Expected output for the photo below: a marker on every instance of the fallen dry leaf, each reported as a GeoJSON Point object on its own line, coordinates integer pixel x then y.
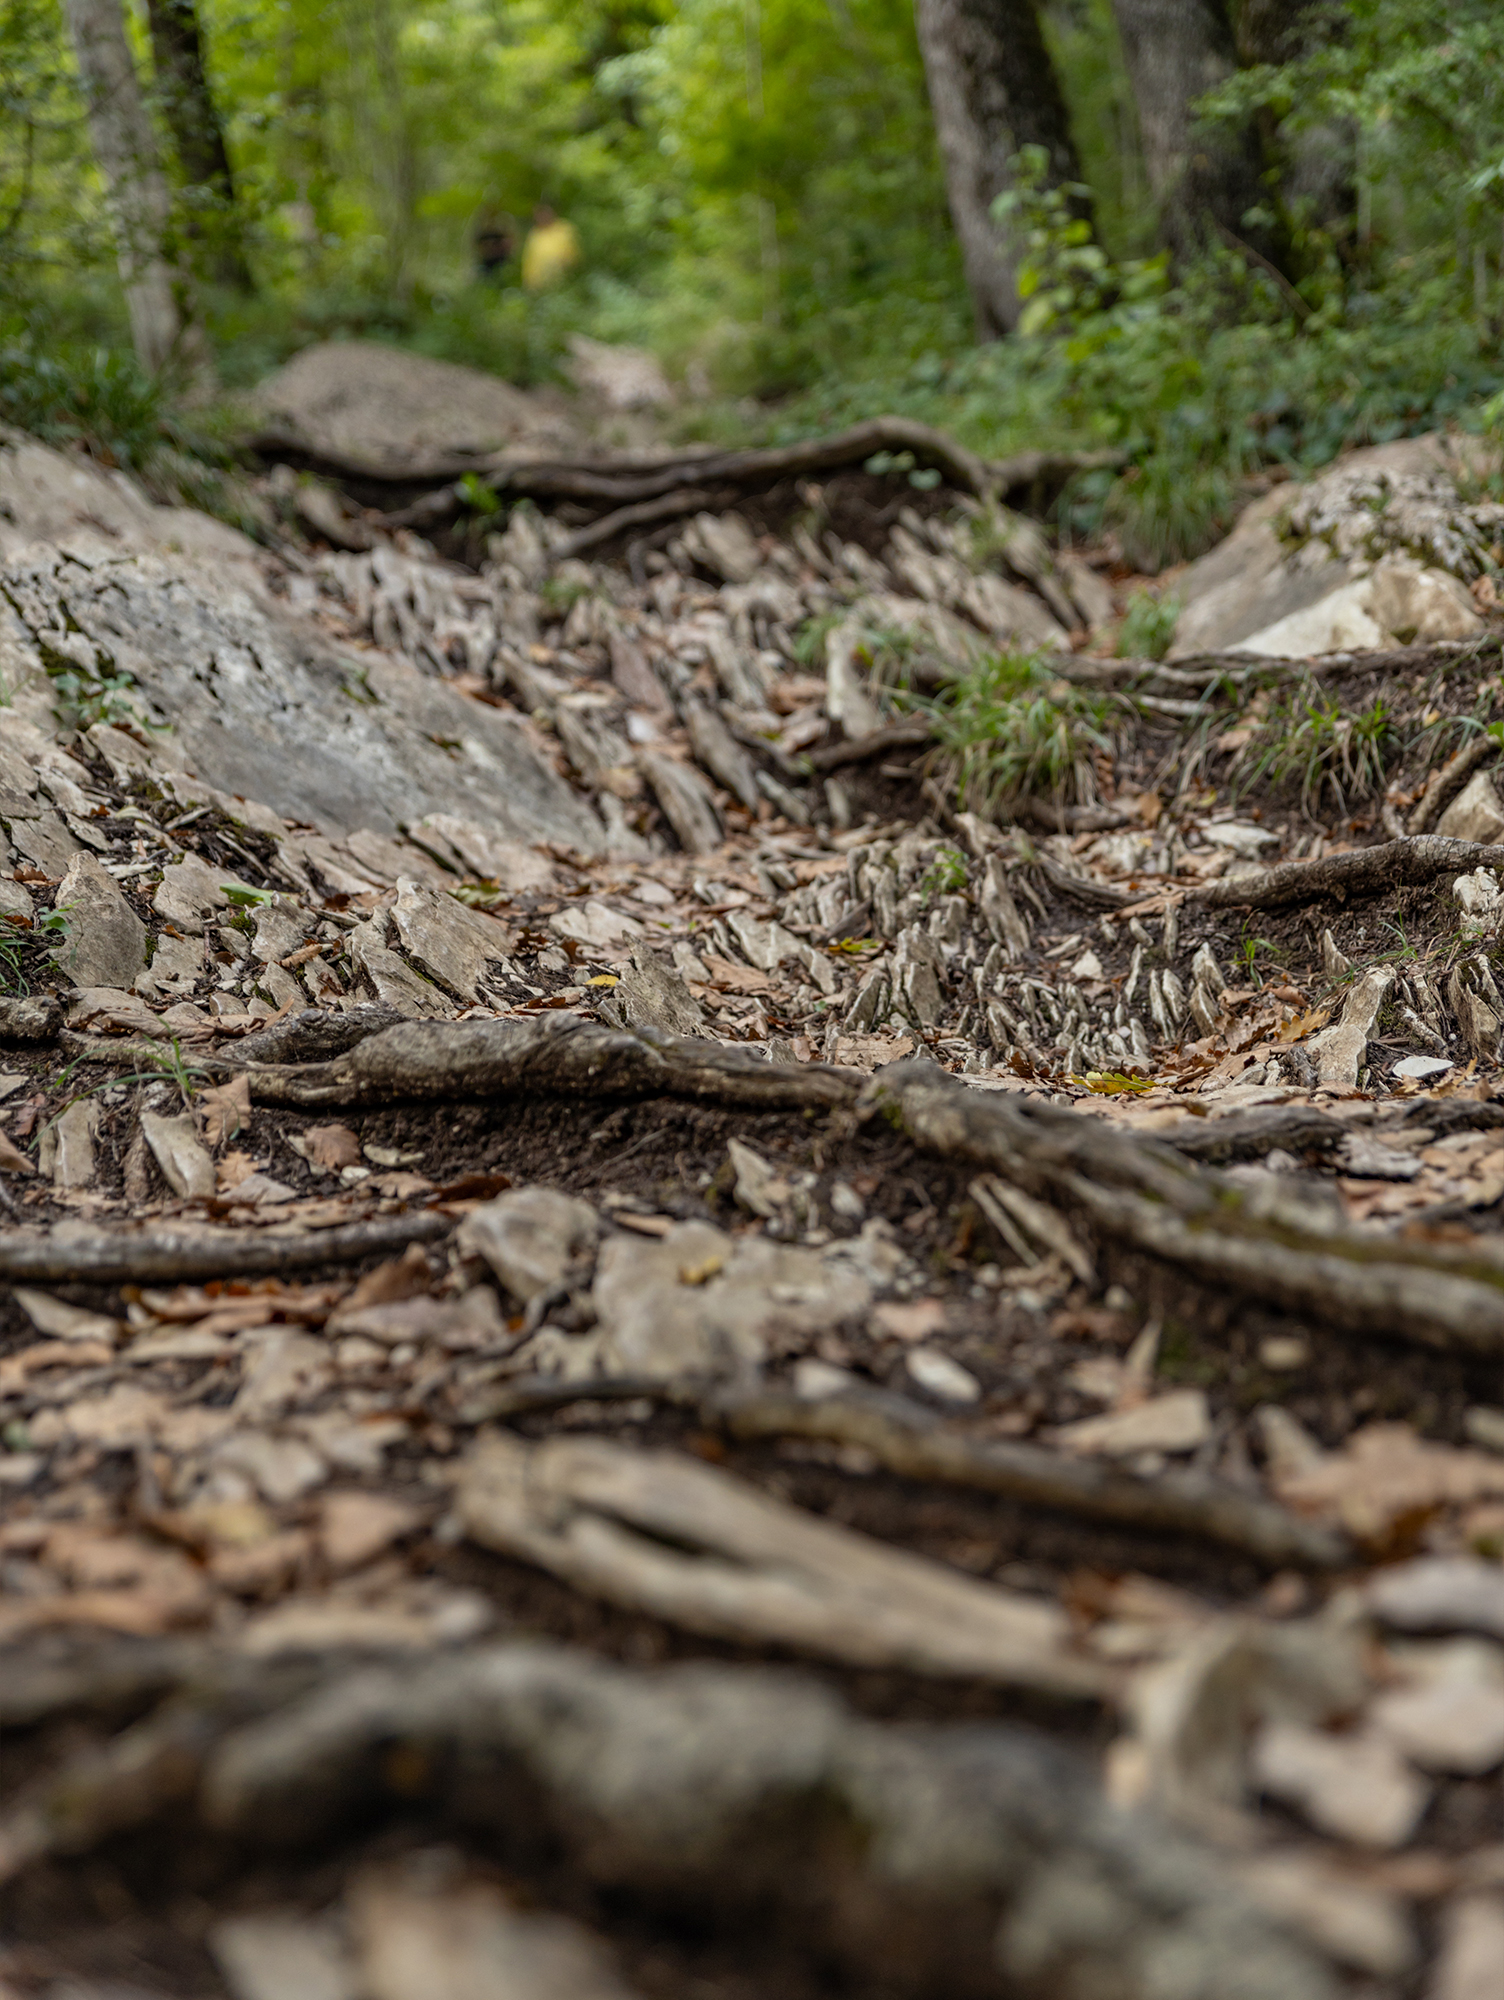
{"type": "Point", "coordinates": [235, 1169]}
{"type": "Point", "coordinates": [737, 978]}
{"type": "Point", "coordinates": [1386, 1479]}
{"type": "Point", "coordinates": [225, 1107]}
{"type": "Point", "coordinates": [328, 1147]}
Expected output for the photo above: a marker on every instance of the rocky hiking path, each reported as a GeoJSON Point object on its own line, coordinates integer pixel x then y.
{"type": "Point", "coordinates": [704, 1299]}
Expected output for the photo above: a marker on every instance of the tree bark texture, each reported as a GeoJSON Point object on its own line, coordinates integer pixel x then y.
{"type": "Point", "coordinates": [177, 47]}
{"type": "Point", "coordinates": [125, 148]}
{"type": "Point", "coordinates": [993, 90]}
{"type": "Point", "coordinates": [1204, 178]}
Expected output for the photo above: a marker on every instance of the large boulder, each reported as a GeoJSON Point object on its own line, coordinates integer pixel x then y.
{"type": "Point", "coordinates": [357, 399]}
{"type": "Point", "coordinates": [1379, 551]}
{"type": "Point", "coordinates": [260, 704]}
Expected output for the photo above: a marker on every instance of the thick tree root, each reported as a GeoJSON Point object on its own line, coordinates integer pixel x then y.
{"type": "Point", "coordinates": [1132, 1188]}
{"type": "Point", "coordinates": [111, 1257]}
{"type": "Point", "coordinates": [913, 1442]}
{"type": "Point", "coordinates": [1367, 872]}
{"type": "Point", "coordinates": [974, 1862]}
{"type": "Point", "coordinates": [428, 1059]}
{"type": "Point", "coordinates": [659, 1532]}
{"type": "Point", "coordinates": [1262, 1243]}
{"type": "Point", "coordinates": [628, 477]}
{"type": "Point", "coordinates": [907, 1439]}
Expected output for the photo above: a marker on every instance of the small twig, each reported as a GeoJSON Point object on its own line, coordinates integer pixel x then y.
{"type": "Point", "coordinates": [862, 749]}
{"type": "Point", "coordinates": [1281, 283]}
{"type": "Point", "coordinates": [684, 500]}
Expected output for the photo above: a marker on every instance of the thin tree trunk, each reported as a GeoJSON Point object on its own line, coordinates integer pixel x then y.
{"type": "Point", "coordinates": [1204, 179]}
{"type": "Point", "coordinates": [177, 48]}
{"type": "Point", "coordinates": [125, 148]}
{"type": "Point", "coordinates": [1319, 166]}
{"type": "Point", "coordinates": [993, 90]}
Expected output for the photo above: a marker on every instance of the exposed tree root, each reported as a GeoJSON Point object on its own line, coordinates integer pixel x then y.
{"type": "Point", "coordinates": [1132, 1188]}
{"type": "Point", "coordinates": [862, 749]}
{"type": "Point", "coordinates": [629, 477]}
{"type": "Point", "coordinates": [426, 1059]}
{"type": "Point", "coordinates": [111, 1257]}
{"type": "Point", "coordinates": [662, 1533]}
{"type": "Point", "coordinates": [1365, 872]}
{"type": "Point", "coordinates": [986, 1859]}
{"type": "Point", "coordinates": [915, 1443]}
{"type": "Point", "coordinates": [1139, 1191]}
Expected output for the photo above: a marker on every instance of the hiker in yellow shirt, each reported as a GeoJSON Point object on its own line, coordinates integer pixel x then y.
{"type": "Point", "coordinates": [551, 251]}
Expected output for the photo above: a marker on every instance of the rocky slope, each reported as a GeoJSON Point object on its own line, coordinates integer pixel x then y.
{"type": "Point", "coordinates": [551, 1100]}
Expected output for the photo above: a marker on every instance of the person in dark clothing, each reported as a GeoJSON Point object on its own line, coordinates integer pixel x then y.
{"type": "Point", "coordinates": [495, 239]}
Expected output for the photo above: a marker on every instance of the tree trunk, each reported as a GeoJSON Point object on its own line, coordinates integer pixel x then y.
{"type": "Point", "coordinates": [1319, 166]}
{"type": "Point", "coordinates": [125, 148]}
{"type": "Point", "coordinates": [1204, 179]}
{"type": "Point", "coordinates": [993, 90]}
{"type": "Point", "coordinates": [193, 118]}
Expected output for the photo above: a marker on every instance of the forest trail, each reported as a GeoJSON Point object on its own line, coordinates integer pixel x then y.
{"type": "Point", "coordinates": [703, 1300]}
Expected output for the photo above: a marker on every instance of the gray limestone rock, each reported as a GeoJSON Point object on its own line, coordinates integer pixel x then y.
{"type": "Point", "coordinates": [185, 1161]}
{"type": "Point", "coordinates": [1342, 1049]}
{"type": "Point", "coordinates": [530, 1237]}
{"type": "Point", "coordinates": [456, 946]}
{"type": "Point", "coordinates": [105, 941]}
{"type": "Point", "coordinates": [650, 994]}
{"type": "Point", "coordinates": [280, 928]}
{"type": "Point", "coordinates": [1374, 552]}
{"type": "Point", "coordinates": [720, 753]}
{"type": "Point", "coordinates": [66, 1147]}
{"type": "Point", "coordinates": [43, 837]}
{"type": "Point", "coordinates": [1476, 813]}
{"type": "Point", "coordinates": [391, 978]}
{"type": "Point", "coordinates": [699, 1302]}
{"type": "Point", "coordinates": [189, 893]}
{"type": "Point", "coordinates": [263, 706]}
{"type": "Point", "coordinates": [686, 802]}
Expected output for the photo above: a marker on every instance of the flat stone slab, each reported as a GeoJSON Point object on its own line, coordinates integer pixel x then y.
{"type": "Point", "coordinates": [265, 708]}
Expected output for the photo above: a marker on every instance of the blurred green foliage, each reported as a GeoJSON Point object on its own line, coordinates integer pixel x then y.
{"type": "Point", "coordinates": [759, 199]}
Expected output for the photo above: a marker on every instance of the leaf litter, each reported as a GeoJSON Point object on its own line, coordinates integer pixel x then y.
{"type": "Point", "coordinates": [864, 1239]}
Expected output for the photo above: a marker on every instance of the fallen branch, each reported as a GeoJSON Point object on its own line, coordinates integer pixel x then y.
{"type": "Point", "coordinates": [436, 1059]}
{"type": "Point", "coordinates": [109, 1257]}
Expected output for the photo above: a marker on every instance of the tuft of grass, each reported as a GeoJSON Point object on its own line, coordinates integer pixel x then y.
{"type": "Point", "coordinates": [1308, 737]}
{"type": "Point", "coordinates": [1148, 626]}
{"type": "Point", "coordinates": [1010, 728]}
{"type": "Point", "coordinates": [1169, 509]}
{"type": "Point", "coordinates": [946, 875]}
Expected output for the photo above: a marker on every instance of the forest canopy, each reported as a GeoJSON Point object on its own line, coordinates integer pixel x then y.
{"type": "Point", "coordinates": [1211, 236]}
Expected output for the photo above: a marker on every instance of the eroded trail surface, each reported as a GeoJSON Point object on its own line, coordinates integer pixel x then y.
{"type": "Point", "coordinates": [704, 1300]}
